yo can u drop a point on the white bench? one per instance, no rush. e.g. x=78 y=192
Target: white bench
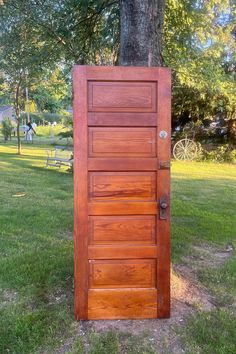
x=60 y=156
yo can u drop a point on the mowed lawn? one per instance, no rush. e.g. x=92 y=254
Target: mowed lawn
x=36 y=258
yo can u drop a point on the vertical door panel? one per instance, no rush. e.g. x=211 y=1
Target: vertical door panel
x=122 y=248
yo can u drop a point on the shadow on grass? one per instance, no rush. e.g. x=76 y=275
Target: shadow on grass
x=24 y=161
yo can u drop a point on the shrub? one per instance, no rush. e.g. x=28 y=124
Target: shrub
x=223 y=153
x=7 y=128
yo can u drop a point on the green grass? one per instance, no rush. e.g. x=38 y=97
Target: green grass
x=211 y=333
x=221 y=282
x=113 y=342
x=36 y=250
x=36 y=257
x=203 y=205
x=45 y=135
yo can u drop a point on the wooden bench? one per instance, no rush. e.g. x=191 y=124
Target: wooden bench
x=60 y=156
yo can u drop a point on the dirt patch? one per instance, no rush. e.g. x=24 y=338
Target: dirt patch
x=187 y=296
x=81 y=330
x=208 y=256
x=186 y=289
x=57 y=297
x=7 y=297
x=68 y=235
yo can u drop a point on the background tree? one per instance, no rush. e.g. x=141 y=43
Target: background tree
x=53 y=92
x=78 y=31
x=141 y=32
x=22 y=59
x=199 y=44
x=201 y=50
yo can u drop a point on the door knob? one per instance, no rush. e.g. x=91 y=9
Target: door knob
x=163 y=205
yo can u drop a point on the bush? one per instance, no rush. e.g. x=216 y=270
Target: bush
x=44 y=117
x=67 y=120
x=49 y=130
x=7 y=128
x=223 y=153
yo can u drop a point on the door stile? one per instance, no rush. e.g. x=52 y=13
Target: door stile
x=163 y=191
x=80 y=192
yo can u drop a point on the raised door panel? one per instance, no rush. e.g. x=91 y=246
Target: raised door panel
x=122 y=142
x=105 y=96
x=122 y=273
x=122 y=186
x=122 y=303
x=135 y=229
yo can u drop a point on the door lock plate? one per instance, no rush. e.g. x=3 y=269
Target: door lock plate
x=163 y=206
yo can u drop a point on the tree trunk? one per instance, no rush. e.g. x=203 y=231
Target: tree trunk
x=231 y=129
x=18 y=130
x=17 y=109
x=141 y=32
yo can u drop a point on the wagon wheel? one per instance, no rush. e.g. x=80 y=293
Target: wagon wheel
x=185 y=149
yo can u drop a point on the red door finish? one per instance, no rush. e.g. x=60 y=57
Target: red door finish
x=121 y=192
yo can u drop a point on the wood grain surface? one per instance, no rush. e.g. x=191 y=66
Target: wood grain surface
x=80 y=193
x=126 y=96
x=122 y=273
x=125 y=119
x=121 y=252
x=115 y=186
x=135 y=229
x=122 y=247
x=122 y=303
x=125 y=142
x=121 y=164
x=122 y=208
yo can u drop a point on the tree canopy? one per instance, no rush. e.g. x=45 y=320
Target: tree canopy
x=199 y=45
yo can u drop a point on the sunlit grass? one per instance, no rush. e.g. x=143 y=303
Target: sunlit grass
x=211 y=332
x=36 y=252
x=203 y=205
x=36 y=249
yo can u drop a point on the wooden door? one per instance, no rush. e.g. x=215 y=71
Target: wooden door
x=121 y=192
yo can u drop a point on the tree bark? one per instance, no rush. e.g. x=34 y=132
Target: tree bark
x=18 y=131
x=232 y=129
x=141 y=32
x=17 y=109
